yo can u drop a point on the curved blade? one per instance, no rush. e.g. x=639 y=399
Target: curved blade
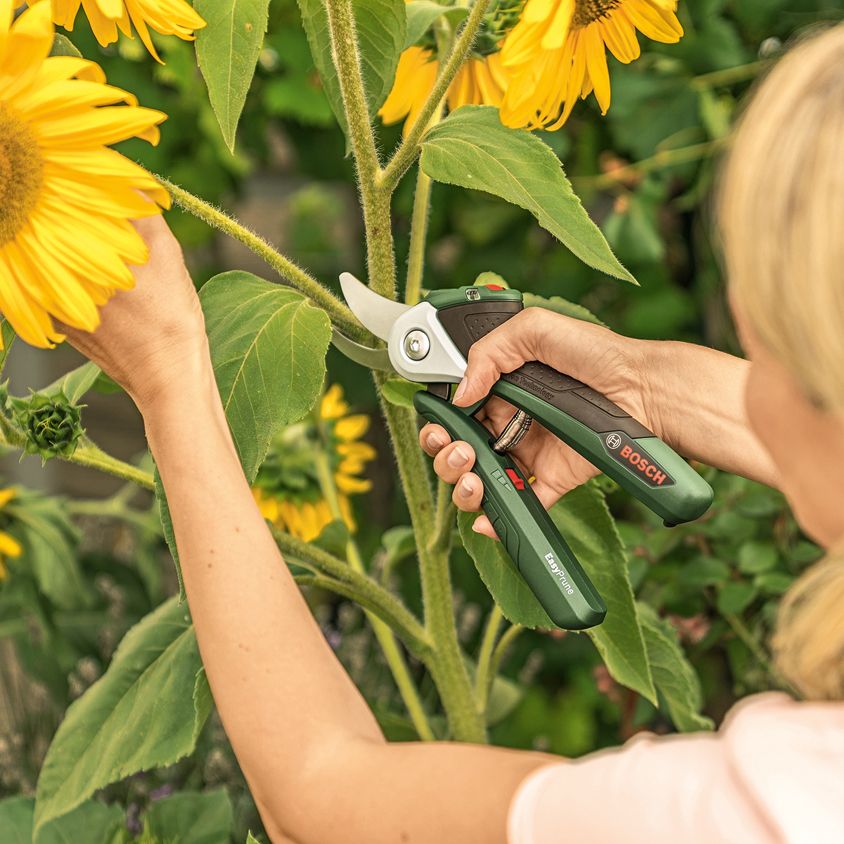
x=376 y=312
x=364 y=355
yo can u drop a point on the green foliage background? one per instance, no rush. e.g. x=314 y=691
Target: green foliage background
x=646 y=172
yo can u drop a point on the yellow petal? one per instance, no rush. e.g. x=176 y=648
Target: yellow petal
x=596 y=66
x=351 y=427
x=9 y=546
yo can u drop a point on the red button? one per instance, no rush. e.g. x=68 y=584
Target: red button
x=515 y=478
x=493 y=287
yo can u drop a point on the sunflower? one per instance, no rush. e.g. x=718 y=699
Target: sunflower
x=9 y=546
x=65 y=198
x=169 y=17
x=287 y=488
x=556 y=53
x=481 y=81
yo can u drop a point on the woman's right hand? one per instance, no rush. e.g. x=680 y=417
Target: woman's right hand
x=151 y=339
x=607 y=362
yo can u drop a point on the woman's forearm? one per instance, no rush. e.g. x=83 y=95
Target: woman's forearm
x=275 y=680
x=309 y=746
x=696 y=396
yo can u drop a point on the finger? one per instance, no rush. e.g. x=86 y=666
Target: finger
x=468 y=492
x=502 y=350
x=483 y=526
x=453 y=460
x=433 y=438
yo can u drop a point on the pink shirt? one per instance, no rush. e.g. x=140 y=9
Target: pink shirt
x=773 y=774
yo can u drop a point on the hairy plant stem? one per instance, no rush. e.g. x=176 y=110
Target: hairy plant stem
x=375 y=200
x=443 y=519
x=338 y=576
x=418 y=238
x=483 y=678
x=337 y=311
x=406 y=154
x=419 y=227
x=446 y=662
x=86 y=454
x=91 y=455
x=658 y=161
x=731 y=75
x=500 y=651
x=114 y=508
x=383 y=633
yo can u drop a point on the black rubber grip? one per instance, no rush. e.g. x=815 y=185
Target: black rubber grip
x=466 y=324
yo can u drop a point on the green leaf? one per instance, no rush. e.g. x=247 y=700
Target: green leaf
x=472 y=149
x=584 y=519
x=703 y=571
x=190 y=817
x=490 y=277
x=674 y=677
x=400 y=392
x=7 y=335
x=504 y=697
x=381 y=27
x=49 y=541
x=63 y=46
x=93 y=822
x=268 y=346
x=227 y=51
x=501 y=577
x=560 y=306
x=735 y=597
x=398 y=544
x=139 y=715
x=757 y=557
x=773 y=582
x=251 y=839
x=585 y=522
x=422 y=13
x=16 y=820
x=74 y=384
x=334 y=538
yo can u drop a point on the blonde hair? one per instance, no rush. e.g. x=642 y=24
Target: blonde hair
x=782 y=220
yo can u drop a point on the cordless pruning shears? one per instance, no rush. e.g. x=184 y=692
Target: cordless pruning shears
x=429 y=343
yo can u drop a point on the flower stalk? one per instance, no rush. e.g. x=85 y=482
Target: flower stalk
x=375 y=201
x=406 y=154
x=383 y=632
x=337 y=311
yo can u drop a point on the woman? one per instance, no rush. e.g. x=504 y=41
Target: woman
x=316 y=761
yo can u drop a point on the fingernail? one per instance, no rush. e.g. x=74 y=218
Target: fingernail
x=457 y=457
x=435 y=440
x=465 y=489
x=461 y=388
x=475 y=526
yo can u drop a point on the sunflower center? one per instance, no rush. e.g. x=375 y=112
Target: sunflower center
x=21 y=173
x=589 y=11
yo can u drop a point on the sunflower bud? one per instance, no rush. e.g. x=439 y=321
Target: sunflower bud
x=52 y=425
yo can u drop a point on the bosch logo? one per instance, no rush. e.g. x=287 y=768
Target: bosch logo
x=634 y=457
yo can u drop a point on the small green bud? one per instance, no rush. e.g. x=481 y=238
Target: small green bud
x=52 y=425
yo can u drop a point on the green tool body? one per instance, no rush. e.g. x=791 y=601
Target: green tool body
x=587 y=421
x=523 y=525
x=430 y=342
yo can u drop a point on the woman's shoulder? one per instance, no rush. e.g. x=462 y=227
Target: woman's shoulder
x=789 y=756
x=772 y=773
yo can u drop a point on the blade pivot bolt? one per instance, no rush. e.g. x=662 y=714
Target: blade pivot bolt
x=416 y=344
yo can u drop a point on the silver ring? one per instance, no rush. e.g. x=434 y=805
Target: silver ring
x=513 y=433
